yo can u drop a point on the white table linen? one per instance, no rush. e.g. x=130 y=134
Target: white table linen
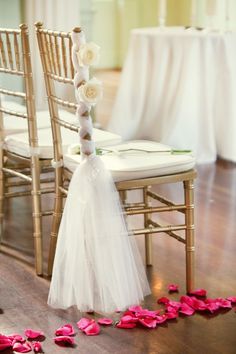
x=178 y=87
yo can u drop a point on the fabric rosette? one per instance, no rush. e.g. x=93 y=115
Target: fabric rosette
x=88 y=54
x=90 y=92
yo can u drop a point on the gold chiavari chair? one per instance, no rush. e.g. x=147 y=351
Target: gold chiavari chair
x=27 y=151
x=15 y=168
x=145 y=172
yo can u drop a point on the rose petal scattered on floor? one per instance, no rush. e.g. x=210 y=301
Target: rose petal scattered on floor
x=83 y=323
x=163 y=300
x=135 y=308
x=105 y=321
x=5 y=342
x=92 y=329
x=37 y=346
x=124 y=325
x=16 y=338
x=148 y=322
x=232 y=299
x=198 y=292
x=22 y=347
x=32 y=334
x=64 y=340
x=173 y=288
x=186 y=309
x=66 y=330
x=172 y=315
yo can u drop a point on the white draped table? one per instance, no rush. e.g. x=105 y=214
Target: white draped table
x=178 y=87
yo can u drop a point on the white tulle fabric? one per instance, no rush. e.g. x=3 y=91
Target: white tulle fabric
x=97 y=264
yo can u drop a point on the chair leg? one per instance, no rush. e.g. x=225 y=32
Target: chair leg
x=189 y=220
x=56 y=219
x=148 y=237
x=37 y=215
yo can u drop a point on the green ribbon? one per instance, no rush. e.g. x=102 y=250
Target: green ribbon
x=102 y=151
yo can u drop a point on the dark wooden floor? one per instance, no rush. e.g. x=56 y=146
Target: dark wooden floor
x=23 y=295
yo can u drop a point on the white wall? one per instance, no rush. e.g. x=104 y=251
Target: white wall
x=220 y=9
x=113 y=20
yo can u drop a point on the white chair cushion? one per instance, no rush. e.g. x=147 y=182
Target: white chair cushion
x=139 y=164
x=13 y=125
x=18 y=143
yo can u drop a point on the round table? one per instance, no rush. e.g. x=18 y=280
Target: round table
x=178 y=87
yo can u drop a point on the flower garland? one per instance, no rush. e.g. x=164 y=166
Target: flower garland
x=87 y=91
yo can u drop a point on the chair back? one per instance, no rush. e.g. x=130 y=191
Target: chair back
x=55 y=52
x=15 y=61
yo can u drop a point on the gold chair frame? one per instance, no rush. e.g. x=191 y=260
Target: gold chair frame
x=15 y=170
x=57 y=67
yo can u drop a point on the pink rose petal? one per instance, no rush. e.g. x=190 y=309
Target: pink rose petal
x=199 y=304
x=128 y=313
x=31 y=334
x=127 y=325
x=170 y=309
x=22 y=347
x=148 y=322
x=129 y=319
x=186 y=309
x=172 y=315
x=135 y=308
x=16 y=338
x=66 y=330
x=232 y=299
x=105 y=321
x=163 y=300
x=209 y=300
x=146 y=313
x=173 y=288
x=187 y=300
x=212 y=305
x=158 y=312
x=83 y=323
x=174 y=304
x=161 y=319
x=37 y=346
x=5 y=342
x=92 y=330
x=64 y=340
x=198 y=292
x=224 y=303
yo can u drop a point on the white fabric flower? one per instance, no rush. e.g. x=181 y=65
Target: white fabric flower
x=90 y=92
x=88 y=54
